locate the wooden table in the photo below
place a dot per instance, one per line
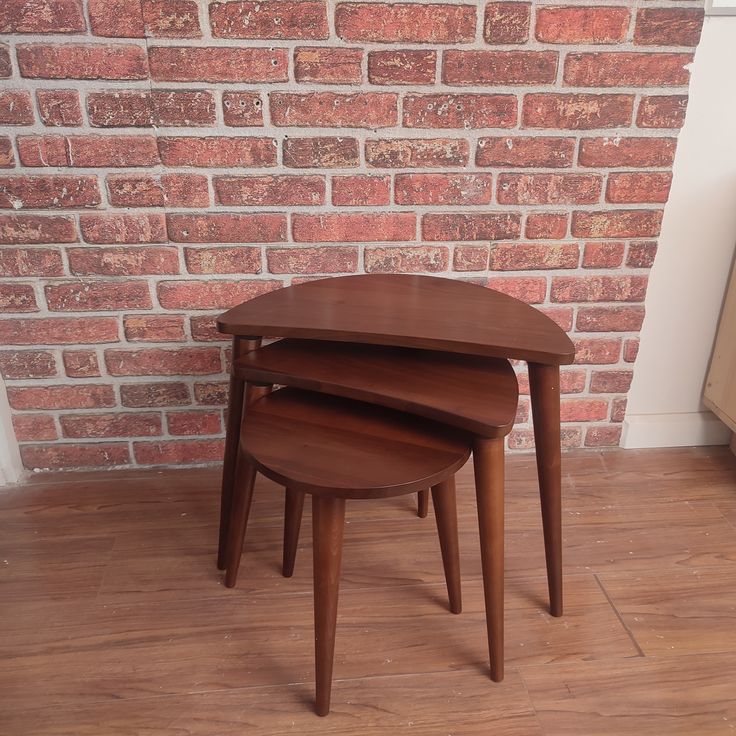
(429, 313)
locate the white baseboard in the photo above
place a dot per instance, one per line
(674, 430)
(11, 467)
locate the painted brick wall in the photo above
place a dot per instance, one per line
(165, 159)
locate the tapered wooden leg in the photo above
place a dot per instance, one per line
(445, 512)
(245, 475)
(293, 507)
(544, 383)
(232, 438)
(422, 504)
(328, 516)
(488, 461)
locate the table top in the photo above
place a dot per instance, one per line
(401, 310)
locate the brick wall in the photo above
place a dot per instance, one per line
(163, 160)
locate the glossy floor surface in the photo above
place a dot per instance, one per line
(114, 620)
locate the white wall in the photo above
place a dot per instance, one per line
(690, 272)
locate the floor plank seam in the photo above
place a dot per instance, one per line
(619, 616)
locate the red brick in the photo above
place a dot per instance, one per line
(194, 422)
(139, 395)
(172, 18)
(135, 190)
(610, 382)
(520, 152)
(548, 189)
(632, 152)
(34, 427)
(97, 296)
(81, 363)
(507, 22)
(402, 67)
(598, 288)
(16, 107)
(603, 255)
(115, 228)
(143, 108)
(43, 150)
(223, 260)
(7, 157)
(222, 227)
(163, 362)
(58, 330)
(211, 393)
(609, 319)
(459, 111)
(330, 259)
(597, 351)
(571, 382)
(470, 258)
(185, 190)
(34, 192)
(602, 436)
(641, 255)
(270, 191)
(123, 261)
(662, 111)
(59, 107)
(668, 26)
(41, 16)
(358, 227)
(211, 294)
(217, 151)
(321, 152)
(332, 110)
(482, 226)
(361, 190)
(626, 69)
(582, 25)
(328, 66)
(17, 298)
(638, 186)
(154, 328)
(35, 229)
(616, 224)
(242, 109)
(23, 364)
(67, 456)
(178, 452)
(499, 67)
(546, 225)
(6, 68)
(86, 396)
(112, 151)
(406, 259)
(116, 19)
(618, 410)
(575, 111)
(531, 290)
(409, 22)
(631, 350)
(416, 153)
(280, 19)
(111, 424)
(583, 410)
(218, 64)
(82, 61)
(204, 329)
(534, 256)
(443, 188)
(31, 262)
(523, 439)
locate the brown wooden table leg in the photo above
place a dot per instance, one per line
(293, 507)
(544, 384)
(488, 463)
(445, 513)
(241, 345)
(422, 504)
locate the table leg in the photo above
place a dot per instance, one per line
(241, 345)
(544, 384)
(422, 504)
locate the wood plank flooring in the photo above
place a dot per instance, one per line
(114, 620)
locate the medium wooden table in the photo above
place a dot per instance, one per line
(429, 313)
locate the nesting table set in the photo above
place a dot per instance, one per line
(389, 382)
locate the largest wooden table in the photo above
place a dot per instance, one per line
(429, 313)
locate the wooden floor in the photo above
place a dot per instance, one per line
(114, 620)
